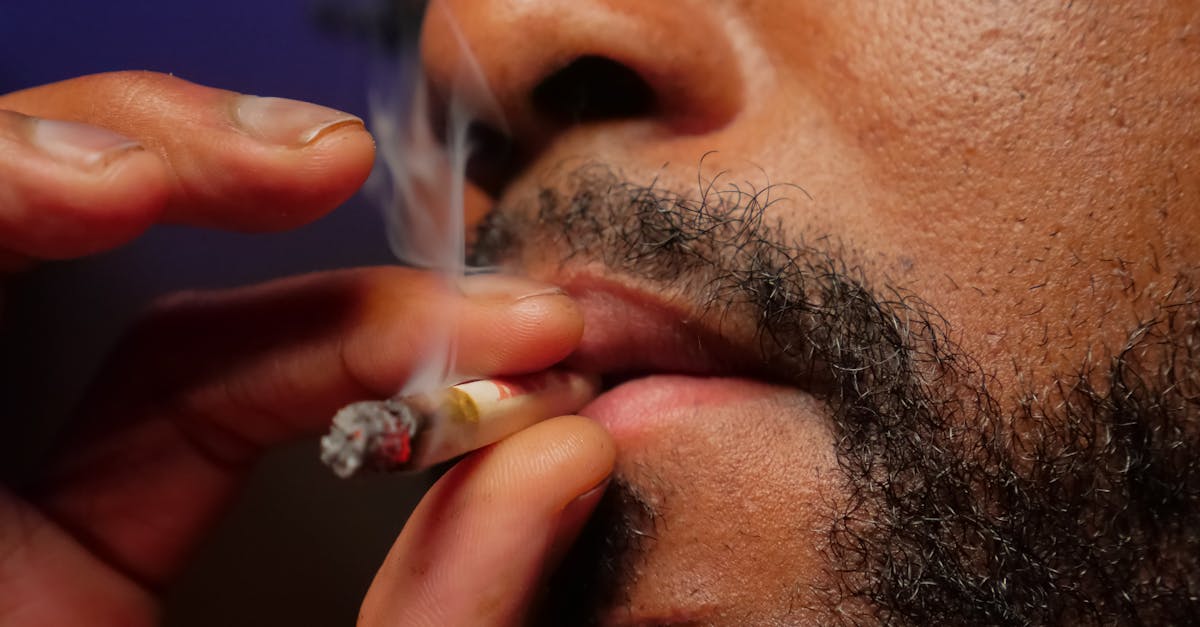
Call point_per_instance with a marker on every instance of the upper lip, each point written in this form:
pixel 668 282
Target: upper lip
pixel 631 330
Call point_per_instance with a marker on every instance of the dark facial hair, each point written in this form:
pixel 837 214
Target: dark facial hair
pixel 1079 508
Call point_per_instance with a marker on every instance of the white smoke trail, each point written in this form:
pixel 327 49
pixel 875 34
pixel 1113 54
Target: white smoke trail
pixel 420 180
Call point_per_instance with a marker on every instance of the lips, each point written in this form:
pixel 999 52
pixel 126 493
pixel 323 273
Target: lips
pixel 690 404
pixel 662 358
pixel 629 331
pixel 640 406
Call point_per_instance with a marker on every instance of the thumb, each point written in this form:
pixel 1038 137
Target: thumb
pixel 477 547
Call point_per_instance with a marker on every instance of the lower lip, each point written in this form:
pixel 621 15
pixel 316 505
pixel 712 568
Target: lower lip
pixel 631 407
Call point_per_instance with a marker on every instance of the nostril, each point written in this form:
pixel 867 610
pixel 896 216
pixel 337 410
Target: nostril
pixel 492 159
pixel 593 88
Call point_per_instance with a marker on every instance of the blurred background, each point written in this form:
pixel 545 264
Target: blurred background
pixel 300 547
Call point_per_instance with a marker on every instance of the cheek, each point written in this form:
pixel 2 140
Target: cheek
pixel 745 496
pixel 1029 171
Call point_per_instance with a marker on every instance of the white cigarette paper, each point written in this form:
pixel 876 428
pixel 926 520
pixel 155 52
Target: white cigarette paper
pixel 417 431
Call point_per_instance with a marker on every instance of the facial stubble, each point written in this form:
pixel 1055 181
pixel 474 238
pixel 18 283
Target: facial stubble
pixel 1077 507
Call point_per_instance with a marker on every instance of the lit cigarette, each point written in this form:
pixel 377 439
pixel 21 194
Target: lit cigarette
pixel 414 432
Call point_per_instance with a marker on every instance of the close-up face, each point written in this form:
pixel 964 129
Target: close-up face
pixel 895 301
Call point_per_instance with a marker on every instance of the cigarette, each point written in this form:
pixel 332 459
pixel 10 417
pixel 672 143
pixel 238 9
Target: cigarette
pixel 415 432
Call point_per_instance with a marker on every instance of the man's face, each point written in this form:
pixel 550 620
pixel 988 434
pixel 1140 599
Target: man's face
pixel 899 296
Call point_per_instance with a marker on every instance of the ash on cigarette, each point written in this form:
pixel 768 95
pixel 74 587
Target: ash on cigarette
pixel 370 435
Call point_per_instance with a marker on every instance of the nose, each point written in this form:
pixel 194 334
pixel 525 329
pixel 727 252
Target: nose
pixel 533 69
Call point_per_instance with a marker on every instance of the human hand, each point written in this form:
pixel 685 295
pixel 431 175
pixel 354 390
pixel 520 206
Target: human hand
pixel 89 163
pixel 207 381
pixel 479 546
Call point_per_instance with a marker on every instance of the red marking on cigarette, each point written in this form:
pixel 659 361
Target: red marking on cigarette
pixel 505 390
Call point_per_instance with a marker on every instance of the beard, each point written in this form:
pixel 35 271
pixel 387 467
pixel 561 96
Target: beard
pixel 1078 506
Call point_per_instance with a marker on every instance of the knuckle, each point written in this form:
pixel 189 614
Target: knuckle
pixel 164 317
pixel 168 306
pixel 139 103
pixel 13 125
pixel 128 93
pixel 136 81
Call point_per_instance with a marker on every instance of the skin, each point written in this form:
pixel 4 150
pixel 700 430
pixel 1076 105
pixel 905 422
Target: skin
pixel 208 380
pixel 991 150
pixel 1031 171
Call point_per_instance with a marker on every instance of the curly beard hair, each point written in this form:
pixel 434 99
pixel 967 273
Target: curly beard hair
pixel 1075 507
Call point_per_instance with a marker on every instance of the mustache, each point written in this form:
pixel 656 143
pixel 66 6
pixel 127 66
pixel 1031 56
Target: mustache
pixel 1080 503
pixel 725 247
pixel 816 321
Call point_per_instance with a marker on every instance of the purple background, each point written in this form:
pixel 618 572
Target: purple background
pixel 300 547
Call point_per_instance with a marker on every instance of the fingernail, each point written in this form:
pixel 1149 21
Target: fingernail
pixel 288 122
pixel 574 516
pixel 501 286
pixel 581 507
pixel 81 145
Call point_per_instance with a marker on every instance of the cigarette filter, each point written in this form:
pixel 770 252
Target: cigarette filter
pixel 417 431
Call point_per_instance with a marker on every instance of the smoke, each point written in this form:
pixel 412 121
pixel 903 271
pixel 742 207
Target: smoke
pixel 419 180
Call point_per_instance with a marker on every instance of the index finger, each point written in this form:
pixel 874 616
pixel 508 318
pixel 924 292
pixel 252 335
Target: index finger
pixel 236 161
pixel 214 378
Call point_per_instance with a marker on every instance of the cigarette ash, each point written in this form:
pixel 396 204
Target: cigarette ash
pixel 370 435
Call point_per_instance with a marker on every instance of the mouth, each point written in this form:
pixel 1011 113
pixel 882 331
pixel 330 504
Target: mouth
pixel 689 392
pixel 661 356
pixel 712 351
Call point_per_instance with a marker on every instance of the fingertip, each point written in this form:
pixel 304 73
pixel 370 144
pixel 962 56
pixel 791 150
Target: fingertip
pixel 570 454
pixel 556 318
pixel 503 510
pixel 234 161
pixel 249 185
pixel 542 468
pixel 521 335
pixel 72 189
pixel 496 325
pixel 597 454
pixel 571 522
pixel 300 159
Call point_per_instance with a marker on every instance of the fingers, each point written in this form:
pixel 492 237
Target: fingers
pixel 47 578
pixel 231 161
pixel 298 349
pixel 211 379
pixel 69 189
pixel 478 545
